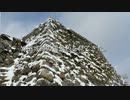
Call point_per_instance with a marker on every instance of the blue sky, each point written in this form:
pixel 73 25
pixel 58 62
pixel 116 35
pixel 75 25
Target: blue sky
pixel 109 30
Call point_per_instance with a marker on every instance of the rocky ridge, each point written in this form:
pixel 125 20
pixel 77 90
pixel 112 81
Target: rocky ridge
pixel 9 50
pixel 53 55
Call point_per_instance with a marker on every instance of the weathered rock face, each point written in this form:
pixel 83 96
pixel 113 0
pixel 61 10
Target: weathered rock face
pixel 61 57
pixel 53 55
pixel 42 82
pixel 9 50
pixel 44 73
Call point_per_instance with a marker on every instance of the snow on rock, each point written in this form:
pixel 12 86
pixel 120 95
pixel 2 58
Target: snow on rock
pixel 81 83
pixel 57 81
pixel 9 75
pixel 56 55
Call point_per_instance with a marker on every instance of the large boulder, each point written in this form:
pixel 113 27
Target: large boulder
pixel 26 70
pixel 16 54
pixel 42 82
pixel 23 43
pixel 29 78
pixel 15 78
pixel 44 73
pixel 67 82
pixel 5 37
pixel 16 42
pixel 8 60
pixel 35 68
pixel 17 72
pixel 62 75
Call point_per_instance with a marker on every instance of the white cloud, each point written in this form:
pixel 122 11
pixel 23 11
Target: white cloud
pixel 109 30
pixel 105 29
pixel 17 29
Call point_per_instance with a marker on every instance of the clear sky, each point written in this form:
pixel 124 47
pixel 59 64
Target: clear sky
pixel 110 30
